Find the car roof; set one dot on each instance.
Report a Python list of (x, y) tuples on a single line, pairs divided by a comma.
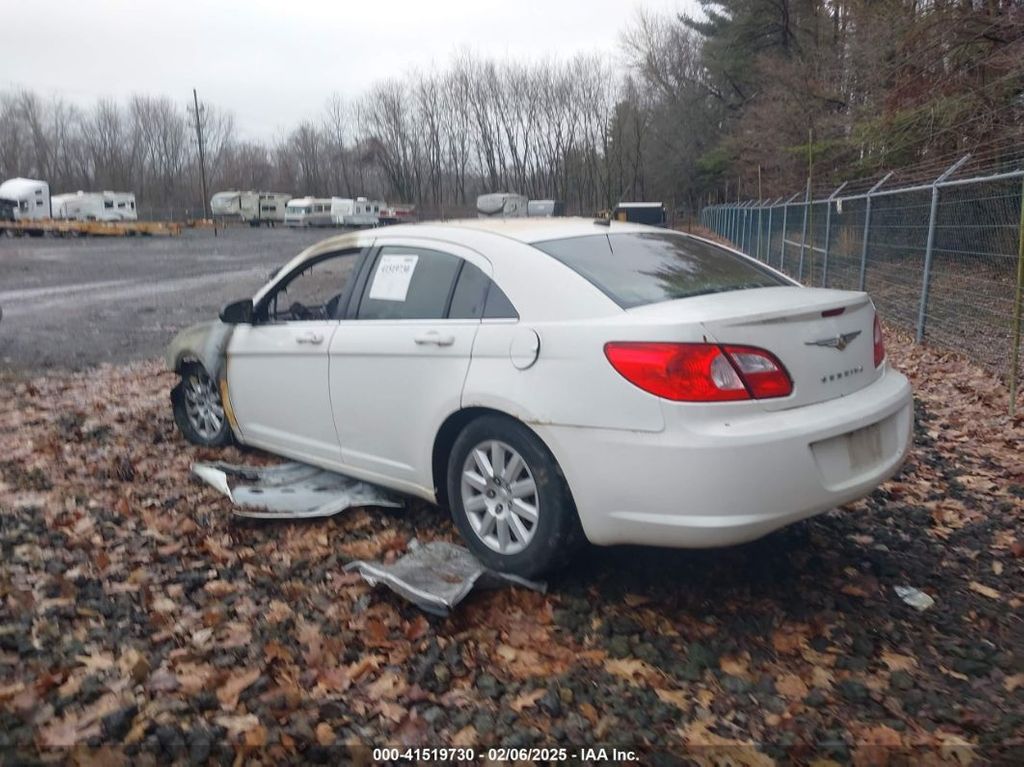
[(522, 229)]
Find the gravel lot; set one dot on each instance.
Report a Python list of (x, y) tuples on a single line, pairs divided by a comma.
[(73, 303), (135, 611)]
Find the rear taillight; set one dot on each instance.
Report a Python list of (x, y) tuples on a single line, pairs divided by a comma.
[(879, 343), (700, 372)]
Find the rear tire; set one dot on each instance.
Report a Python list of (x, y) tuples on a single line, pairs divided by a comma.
[(509, 499), (198, 410)]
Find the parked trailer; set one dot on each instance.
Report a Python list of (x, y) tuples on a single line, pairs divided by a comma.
[(90, 228), (253, 208), (31, 198), (542, 208), (358, 212), (501, 205), (398, 213), (652, 213), (94, 206), (308, 211)]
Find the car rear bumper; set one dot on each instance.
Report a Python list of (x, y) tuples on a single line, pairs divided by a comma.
[(722, 482)]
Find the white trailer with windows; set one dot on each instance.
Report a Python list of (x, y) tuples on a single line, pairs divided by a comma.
[(31, 198), (94, 206), (502, 205), (271, 209), (358, 212), (308, 211), (253, 208)]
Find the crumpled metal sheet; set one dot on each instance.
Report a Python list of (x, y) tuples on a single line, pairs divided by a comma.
[(291, 490), (436, 576)]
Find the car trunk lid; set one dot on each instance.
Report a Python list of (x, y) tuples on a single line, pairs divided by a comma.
[(824, 338)]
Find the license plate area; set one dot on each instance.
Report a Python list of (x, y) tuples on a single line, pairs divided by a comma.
[(850, 457)]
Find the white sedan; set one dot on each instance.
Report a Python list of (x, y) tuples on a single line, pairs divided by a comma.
[(553, 379)]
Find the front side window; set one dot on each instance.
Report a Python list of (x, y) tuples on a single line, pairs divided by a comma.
[(313, 292), (409, 284), (649, 267)]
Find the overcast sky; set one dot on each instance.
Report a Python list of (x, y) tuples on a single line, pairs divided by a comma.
[(275, 63)]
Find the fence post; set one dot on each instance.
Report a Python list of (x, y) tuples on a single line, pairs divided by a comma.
[(768, 238), (828, 232), (757, 248), (750, 227), (803, 234), (867, 231), (1015, 353), (785, 217), (930, 246)]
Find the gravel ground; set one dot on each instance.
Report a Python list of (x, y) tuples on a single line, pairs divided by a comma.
[(136, 612), (72, 303)]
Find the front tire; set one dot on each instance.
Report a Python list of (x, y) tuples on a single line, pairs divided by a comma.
[(198, 410), (509, 499)]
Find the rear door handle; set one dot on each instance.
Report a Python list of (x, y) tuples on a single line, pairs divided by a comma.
[(433, 337), (310, 338)]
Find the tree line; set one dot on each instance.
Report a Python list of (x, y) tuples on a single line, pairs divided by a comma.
[(748, 97)]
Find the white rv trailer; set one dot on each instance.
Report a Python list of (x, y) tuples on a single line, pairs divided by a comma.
[(271, 208), (545, 208), (95, 206), (357, 212), (226, 204), (254, 208), (501, 205), (31, 198), (308, 211)]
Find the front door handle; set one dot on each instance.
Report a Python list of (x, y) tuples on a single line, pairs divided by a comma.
[(310, 338), (433, 337)]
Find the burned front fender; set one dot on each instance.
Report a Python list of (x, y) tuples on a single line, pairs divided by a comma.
[(205, 343)]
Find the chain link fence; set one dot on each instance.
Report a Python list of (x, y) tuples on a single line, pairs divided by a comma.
[(940, 259)]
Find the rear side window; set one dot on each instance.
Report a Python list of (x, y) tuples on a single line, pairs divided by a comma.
[(477, 296), (649, 267), (409, 284)]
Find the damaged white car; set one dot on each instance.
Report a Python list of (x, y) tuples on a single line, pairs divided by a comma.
[(553, 379)]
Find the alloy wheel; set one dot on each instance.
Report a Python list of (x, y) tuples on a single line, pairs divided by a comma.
[(499, 497), (203, 406)]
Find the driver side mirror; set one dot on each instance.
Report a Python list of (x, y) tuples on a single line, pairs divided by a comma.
[(237, 313)]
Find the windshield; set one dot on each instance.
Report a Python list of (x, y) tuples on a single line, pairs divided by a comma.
[(649, 267)]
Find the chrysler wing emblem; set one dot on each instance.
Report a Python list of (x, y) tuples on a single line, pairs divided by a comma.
[(839, 342)]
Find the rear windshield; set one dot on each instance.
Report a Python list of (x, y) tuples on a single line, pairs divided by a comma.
[(648, 267)]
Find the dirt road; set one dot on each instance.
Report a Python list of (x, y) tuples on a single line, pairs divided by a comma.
[(74, 303)]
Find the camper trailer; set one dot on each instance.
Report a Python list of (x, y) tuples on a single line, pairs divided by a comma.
[(271, 209), (31, 198), (542, 208), (501, 205), (94, 206), (397, 213), (253, 208), (652, 213), (358, 212), (308, 211)]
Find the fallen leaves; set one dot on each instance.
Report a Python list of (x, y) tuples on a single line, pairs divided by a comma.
[(985, 591), (236, 684)]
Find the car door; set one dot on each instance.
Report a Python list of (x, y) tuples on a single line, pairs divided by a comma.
[(277, 367), (400, 359)]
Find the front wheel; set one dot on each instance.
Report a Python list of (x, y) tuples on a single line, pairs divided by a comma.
[(509, 499), (198, 410)]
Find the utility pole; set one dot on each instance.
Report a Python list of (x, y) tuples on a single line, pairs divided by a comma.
[(202, 158)]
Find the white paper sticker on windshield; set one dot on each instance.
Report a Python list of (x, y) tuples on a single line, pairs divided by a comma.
[(392, 278)]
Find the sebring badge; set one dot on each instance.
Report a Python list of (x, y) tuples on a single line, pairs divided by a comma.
[(839, 343)]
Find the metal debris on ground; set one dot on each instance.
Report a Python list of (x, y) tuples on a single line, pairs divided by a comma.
[(436, 576), (914, 597), (291, 490)]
